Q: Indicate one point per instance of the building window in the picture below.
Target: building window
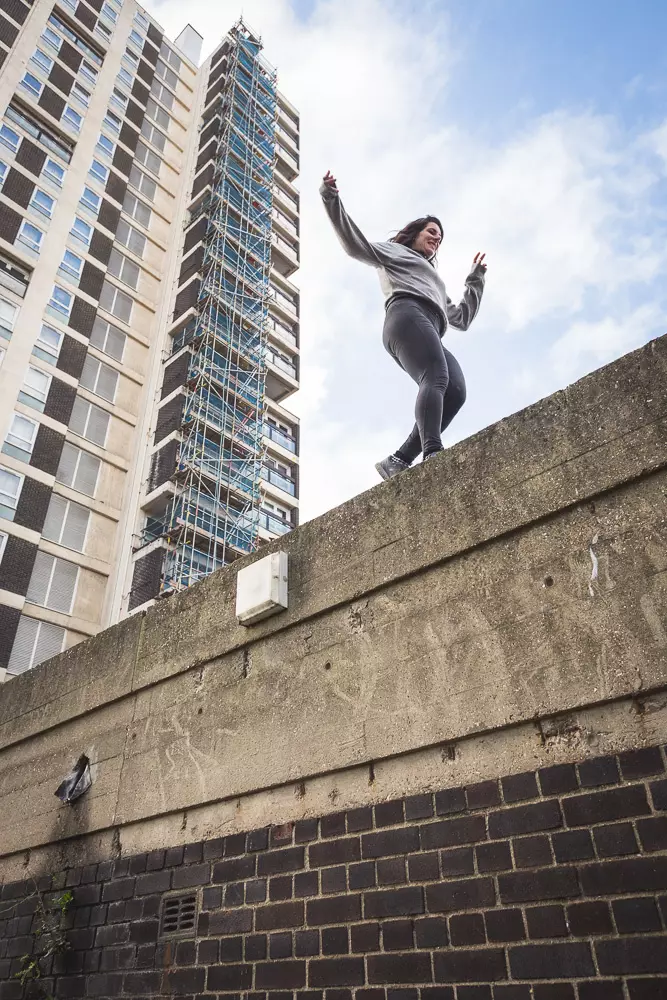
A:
(90, 200)
(3, 172)
(153, 135)
(9, 138)
(170, 56)
(42, 202)
(119, 99)
(72, 118)
(71, 266)
(157, 113)
(112, 121)
(81, 231)
(53, 172)
(124, 269)
(35, 642)
(32, 85)
(78, 470)
(166, 74)
(10, 491)
(41, 59)
(60, 146)
(149, 159)
(136, 39)
(141, 21)
(125, 78)
(89, 421)
(53, 583)
(108, 11)
(102, 29)
(98, 172)
(30, 236)
(35, 388)
(131, 238)
(88, 72)
(51, 38)
(3, 542)
(8, 313)
(61, 302)
(20, 438)
(66, 523)
(137, 210)
(129, 57)
(75, 39)
(116, 302)
(108, 339)
(48, 344)
(105, 145)
(81, 94)
(99, 378)
(143, 183)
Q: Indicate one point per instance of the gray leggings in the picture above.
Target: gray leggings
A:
(412, 331)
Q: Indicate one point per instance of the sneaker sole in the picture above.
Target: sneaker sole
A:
(380, 471)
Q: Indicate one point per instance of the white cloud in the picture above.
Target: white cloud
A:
(563, 208)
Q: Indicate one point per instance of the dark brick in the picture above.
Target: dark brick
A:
(389, 813)
(467, 894)
(534, 886)
(636, 916)
(235, 845)
(280, 887)
(370, 994)
(653, 833)
(435, 993)
(334, 852)
(404, 994)
(334, 879)
(648, 989)
(641, 763)
(424, 867)
(231, 921)
(307, 884)
(174, 857)
(335, 941)
(212, 898)
(494, 857)
(281, 835)
(573, 845)
(193, 853)
(305, 830)
(186, 952)
(104, 871)
(599, 771)
(144, 931)
(213, 849)
(612, 841)
(450, 800)
(504, 925)
(121, 868)
(418, 807)
(237, 868)
(231, 949)
(142, 983)
(512, 993)
(397, 935)
(473, 993)
(467, 928)
(483, 795)
(558, 779)
(67, 986)
(338, 972)
(532, 852)
(458, 862)
(525, 819)
(138, 864)
(631, 955)
(598, 989)
(568, 960)
(332, 825)
(255, 890)
(406, 968)
(108, 984)
(389, 842)
(278, 915)
(121, 888)
(546, 921)
(362, 876)
(553, 991)
(450, 832)
(158, 881)
(359, 819)
(258, 840)
(518, 787)
(586, 919)
(285, 975)
(255, 947)
(431, 932)
(481, 964)
(184, 878)
(365, 937)
(394, 902)
(629, 875)
(659, 794)
(208, 952)
(280, 945)
(229, 977)
(307, 943)
(275, 862)
(391, 871)
(333, 910)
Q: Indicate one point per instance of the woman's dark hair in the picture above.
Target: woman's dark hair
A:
(408, 233)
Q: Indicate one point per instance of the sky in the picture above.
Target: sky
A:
(536, 131)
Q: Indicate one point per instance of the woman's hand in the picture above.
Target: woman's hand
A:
(479, 259)
(330, 182)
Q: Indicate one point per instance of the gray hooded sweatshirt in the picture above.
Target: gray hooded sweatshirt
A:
(404, 271)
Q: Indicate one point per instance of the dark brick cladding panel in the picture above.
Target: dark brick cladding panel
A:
(82, 317)
(31, 157)
(18, 187)
(70, 56)
(72, 356)
(187, 298)
(129, 136)
(61, 79)
(10, 223)
(9, 622)
(168, 418)
(8, 32)
(52, 102)
(163, 463)
(101, 247)
(16, 566)
(145, 585)
(33, 504)
(59, 401)
(108, 215)
(47, 450)
(174, 374)
(92, 279)
(116, 187)
(476, 893)
(17, 10)
(86, 16)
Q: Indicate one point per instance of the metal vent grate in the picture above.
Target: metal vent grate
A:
(178, 914)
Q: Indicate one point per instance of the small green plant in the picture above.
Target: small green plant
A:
(49, 933)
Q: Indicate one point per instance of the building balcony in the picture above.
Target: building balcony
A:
(285, 224)
(285, 256)
(285, 200)
(279, 486)
(281, 376)
(283, 305)
(283, 336)
(275, 436)
(288, 165)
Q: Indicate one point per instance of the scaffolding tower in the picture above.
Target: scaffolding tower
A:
(213, 516)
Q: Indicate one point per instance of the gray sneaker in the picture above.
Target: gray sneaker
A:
(391, 466)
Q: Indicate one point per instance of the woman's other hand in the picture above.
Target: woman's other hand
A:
(330, 181)
(479, 260)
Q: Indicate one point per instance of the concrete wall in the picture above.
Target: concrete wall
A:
(457, 600)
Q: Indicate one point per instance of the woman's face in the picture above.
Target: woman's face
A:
(428, 240)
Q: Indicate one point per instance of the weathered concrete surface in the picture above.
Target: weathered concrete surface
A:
(455, 600)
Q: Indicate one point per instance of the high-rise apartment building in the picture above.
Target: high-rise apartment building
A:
(149, 329)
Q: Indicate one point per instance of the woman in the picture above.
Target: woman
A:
(418, 312)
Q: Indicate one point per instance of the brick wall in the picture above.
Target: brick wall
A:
(541, 886)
